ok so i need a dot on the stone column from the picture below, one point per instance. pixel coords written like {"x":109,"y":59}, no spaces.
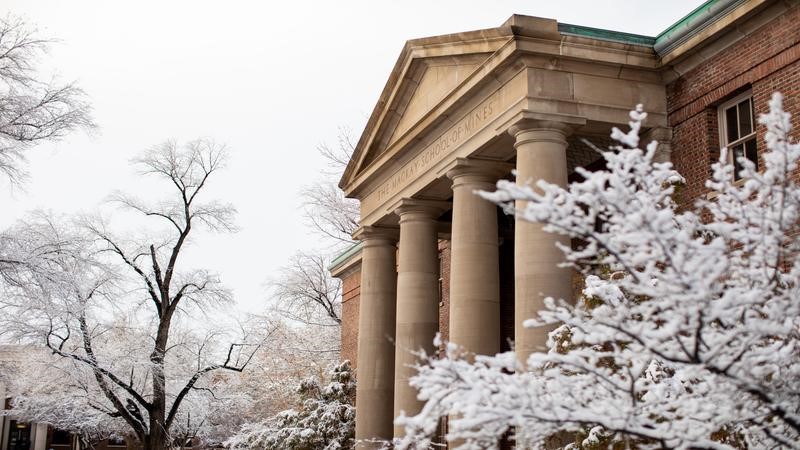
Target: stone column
{"x":376,"y":328}
{"x":541,"y":155}
{"x":39,"y":436}
{"x":474,"y":261}
{"x":417,"y":297}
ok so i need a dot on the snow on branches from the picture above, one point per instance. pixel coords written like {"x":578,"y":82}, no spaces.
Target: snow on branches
{"x":324,"y":421}
{"x":117,"y":307}
{"x":687,"y":332}
{"x":32,"y":110}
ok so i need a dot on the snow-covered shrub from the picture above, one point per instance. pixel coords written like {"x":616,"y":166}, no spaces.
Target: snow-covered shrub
{"x":687,"y":335}
{"x":325,"y":418}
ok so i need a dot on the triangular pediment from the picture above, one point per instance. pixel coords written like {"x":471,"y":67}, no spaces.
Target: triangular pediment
{"x":430,"y":77}
{"x":427,"y":82}
{"x":438,"y":79}
{"x":427,"y":73}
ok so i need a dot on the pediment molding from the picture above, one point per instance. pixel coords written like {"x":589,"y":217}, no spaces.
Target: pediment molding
{"x":428,"y":81}
{"x":437,"y":77}
{"x":426,"y":74}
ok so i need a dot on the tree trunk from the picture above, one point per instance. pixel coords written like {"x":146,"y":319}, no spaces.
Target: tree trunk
{"x":156,"y":440}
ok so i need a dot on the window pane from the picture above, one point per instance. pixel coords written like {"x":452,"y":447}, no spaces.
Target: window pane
{"x":731,"y":122}
{"x":745,"y":118}
{"x":736,"y":153}
{"x":61,"y":437}
{"x":750,"y":151}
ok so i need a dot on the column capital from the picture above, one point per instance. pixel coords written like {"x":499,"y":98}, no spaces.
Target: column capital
{"x":368,"y":234}
{"x":465,"y":170}
{"x":431,"y":209}
{"x":544,"y":128}
{"x":540,"y":132}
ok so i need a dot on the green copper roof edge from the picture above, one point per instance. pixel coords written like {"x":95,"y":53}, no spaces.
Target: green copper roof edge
{"x":699,"y":18}
{"x":677,"y":33}
{"x":687,"y":18}
{"x":345,"y":255}
{"x":606,"y":35}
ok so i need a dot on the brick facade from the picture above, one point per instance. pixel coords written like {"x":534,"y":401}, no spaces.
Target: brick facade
{"x":351,"y":288}
{"x":763,"y":62}
{"x":444,"y":289}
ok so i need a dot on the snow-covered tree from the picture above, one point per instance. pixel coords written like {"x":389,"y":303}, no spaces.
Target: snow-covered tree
{"x":43,"y":388}
{"x":324,"y":420}
{"x":688,"y":331}
{"x":32,"y":110}
{"x":286,"y":358}
{"x":114,"y":305}
{"x":33,"y":251}
{"x":63,"y":393}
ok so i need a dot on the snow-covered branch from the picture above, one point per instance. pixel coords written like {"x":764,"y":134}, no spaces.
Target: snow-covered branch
{"x":687,"y":333}
{"x":32,"y":110}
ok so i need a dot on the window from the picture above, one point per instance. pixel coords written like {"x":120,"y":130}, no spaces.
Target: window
{"x":61,"y":437}
{"x":738,"y":131}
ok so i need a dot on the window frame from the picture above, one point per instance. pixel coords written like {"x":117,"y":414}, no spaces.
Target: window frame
{"x":723,"y":128}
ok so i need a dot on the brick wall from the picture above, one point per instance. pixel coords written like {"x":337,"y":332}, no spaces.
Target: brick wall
{"x":581,"y":154}
{"x":444,"y":297}
{"x":695,"y":146}
{"x":764,"y":61}
{"x":351,"y":289}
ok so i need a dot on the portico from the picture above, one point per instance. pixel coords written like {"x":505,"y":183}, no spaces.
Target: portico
{"x":458,"y":113}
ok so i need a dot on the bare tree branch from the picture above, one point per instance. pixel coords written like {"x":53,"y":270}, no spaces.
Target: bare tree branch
{"x":305,"y":291}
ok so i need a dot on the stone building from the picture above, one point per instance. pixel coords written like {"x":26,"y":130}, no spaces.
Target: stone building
{"x":460,"y":111}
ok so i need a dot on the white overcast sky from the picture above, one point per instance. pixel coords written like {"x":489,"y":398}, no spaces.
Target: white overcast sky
{"x":271,"y":79}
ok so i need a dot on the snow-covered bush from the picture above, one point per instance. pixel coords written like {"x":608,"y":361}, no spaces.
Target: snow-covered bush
{"x":687,"y":334}
{"x":325,"y":419}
